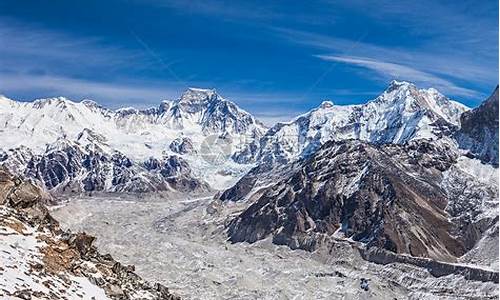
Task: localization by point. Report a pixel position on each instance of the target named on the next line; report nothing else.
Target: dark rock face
(182, 145)
(69, 167)
(174, 166)
(385, 196)
(248, 153)
(152, 164)
(479, 131)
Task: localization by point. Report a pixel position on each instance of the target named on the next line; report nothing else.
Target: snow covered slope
(38, 260)
(401, 113)
(137, 133)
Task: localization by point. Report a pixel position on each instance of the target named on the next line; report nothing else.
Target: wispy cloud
(24, 44)
(440, 60)
(109, 94)
(397, 71)
(239, 11)
(255, 13)
(39, 62)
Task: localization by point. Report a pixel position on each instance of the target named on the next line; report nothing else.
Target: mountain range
(82, 146)
(425, 187)
(409, 177)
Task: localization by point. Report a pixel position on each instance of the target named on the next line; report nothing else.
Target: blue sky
(276, 59)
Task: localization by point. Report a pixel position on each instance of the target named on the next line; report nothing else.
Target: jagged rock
(182, 145)
(82, 242)
(70, 167)
(174, 166)
(113, 290)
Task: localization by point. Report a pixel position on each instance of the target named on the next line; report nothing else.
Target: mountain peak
(90, 103)
(198, 94)
(326, 104)
(57, 101)
(398, 85)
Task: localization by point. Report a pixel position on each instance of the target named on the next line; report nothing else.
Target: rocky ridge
(41, 261)
(424, 197)
(90, 165)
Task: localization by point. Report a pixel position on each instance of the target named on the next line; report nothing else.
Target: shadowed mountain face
(479, 130)
(68, 166)
(386, 196)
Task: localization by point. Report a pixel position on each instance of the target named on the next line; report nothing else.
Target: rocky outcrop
(478, 133)
(39, 260)
(88, 166)
(436, 268)
(177, 173)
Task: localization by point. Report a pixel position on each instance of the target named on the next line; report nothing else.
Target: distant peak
(198, 94)
(396, 84)
(39, 103)
(92, 104)
(127, 110)
(433, 91)
(88, 135)
(61, 143)
(200, 90)
(326, 104)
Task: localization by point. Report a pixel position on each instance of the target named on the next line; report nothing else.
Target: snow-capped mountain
(53, 134)
(197, 112)
(417, 193)
(401, 113)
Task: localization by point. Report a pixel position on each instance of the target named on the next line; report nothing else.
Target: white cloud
(455, 63)
(112, 94)
(397, 71)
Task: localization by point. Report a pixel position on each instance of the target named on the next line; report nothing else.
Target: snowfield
(179, 243)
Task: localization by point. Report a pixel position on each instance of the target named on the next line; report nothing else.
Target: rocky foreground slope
(38, 260)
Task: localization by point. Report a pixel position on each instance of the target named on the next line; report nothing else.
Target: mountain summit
(401, 113)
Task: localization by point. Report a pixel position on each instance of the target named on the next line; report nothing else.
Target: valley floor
(178, 243)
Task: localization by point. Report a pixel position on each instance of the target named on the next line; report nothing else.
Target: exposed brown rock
(385, 196)
(66, 253)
